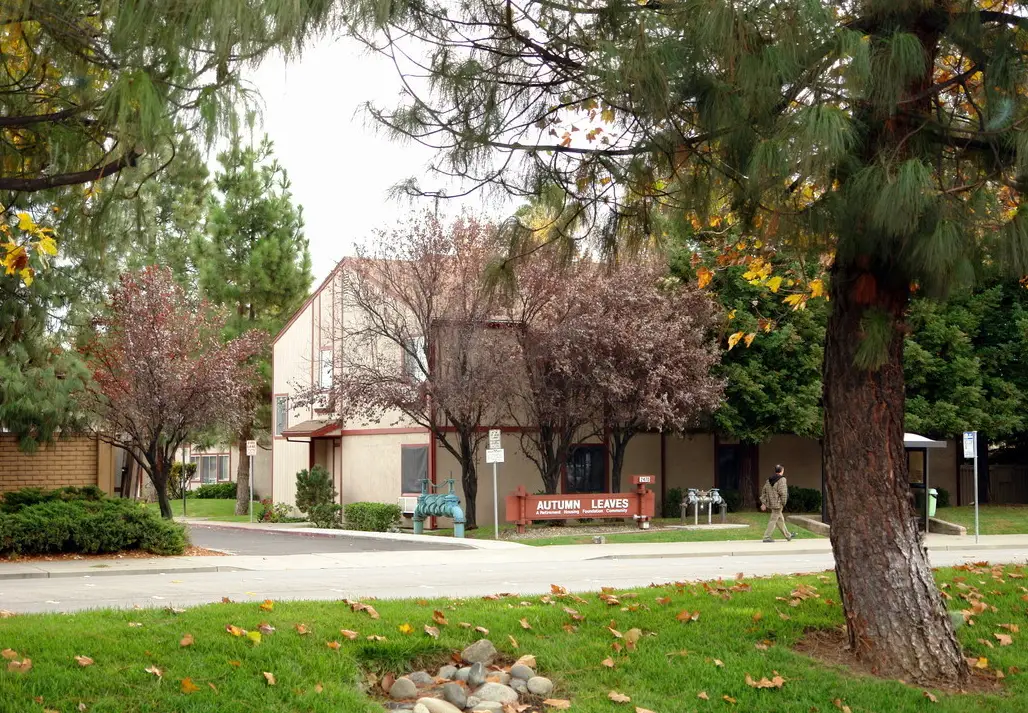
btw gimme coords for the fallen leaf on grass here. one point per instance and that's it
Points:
(213, 687)
(558, 703)
(719, 663)
(930, 697)
(269, 677)
(155, 671)
(524, 624)
(986, 642)
(351, 635)
(757, 616)
(1012, 628)
(439, 618)
(513, 642)
(9, 654)
(371, 611)
(334, 645)
(135, 624)
(4, 614)
(482, 630)
(783, 616)
(318, 688)
(702, 695)
(84, 661)
(23, 666)
(266, 628)
(81, 707)
(608, 662)
(186, 640)
(1003, 639)
(663, 601)
(686, 616)
(267, 605)
(255, 637)
(842, 706)
(981, 662)
(301, 629)
(764, 682)
(642, 710)
(465, 625)
(729, 700)
(234, 630)
(405, 628)
(188, 686)
(618, 697)
(376, 637)
(432, 631)
(632, 637)
(527, 660)
(235, 664)
(759, 646)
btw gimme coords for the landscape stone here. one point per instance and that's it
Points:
(436, 705)
(403, 688)
(520, 685)
(499, 677)
(540, 686)
(520, 670)
(482, 651)
(473, 701)
(418, 708)
(497, 692)
(421, 678)
(487, 707)
(448, 672)
(477, 675)
(462, 674)
(455, 694)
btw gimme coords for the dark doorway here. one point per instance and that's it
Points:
(587, 470)
(735, 470)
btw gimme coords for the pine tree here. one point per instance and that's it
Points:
(254, 262)
(887, 133)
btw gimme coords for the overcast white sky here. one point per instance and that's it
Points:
(340, 165)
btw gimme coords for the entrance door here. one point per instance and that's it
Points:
(736, 467)
(587, 470)
(729, 466)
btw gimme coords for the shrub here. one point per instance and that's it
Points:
(278, 512)
(26, 497)
(372, 517)
(216, 491)
(315, 497)
(672, 506)
(88, 526)
(181, 473)
(803, 500)
(942, 498)
(732, 498)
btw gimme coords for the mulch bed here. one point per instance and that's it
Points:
(128, 554)
(832, 647)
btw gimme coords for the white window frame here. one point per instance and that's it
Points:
(327, 374)
(414, 366)
(281, 414)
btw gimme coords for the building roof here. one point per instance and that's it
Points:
(912, 440)
(313, 428)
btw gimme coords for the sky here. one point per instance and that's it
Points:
(340, 165)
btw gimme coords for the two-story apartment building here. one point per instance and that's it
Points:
(383, 461)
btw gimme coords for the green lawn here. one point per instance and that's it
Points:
(993, 519)
(214, 509)
(755, 521)
(748, 632)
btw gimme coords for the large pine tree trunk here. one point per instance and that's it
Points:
(895, 615)
(243, 496)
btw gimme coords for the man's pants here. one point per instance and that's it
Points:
(777, 518)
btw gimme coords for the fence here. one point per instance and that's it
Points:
(1008, 484)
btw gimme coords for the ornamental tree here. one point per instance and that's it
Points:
(889, 134)
(422, 343)
(161, 373)
(648, 350)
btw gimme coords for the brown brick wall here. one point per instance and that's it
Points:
(69, 461)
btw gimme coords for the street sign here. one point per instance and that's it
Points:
(970, 444)
(494, 455)
(251, 448)
(494, 441)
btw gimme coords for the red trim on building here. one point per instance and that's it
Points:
(382, 431)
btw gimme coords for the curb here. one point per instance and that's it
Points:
(757, 552)
(42, 574)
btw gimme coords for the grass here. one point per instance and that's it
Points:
(992, 519)
(755, 522)
(673, 663)
(221, 509)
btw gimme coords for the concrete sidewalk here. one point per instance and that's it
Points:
(470, 559)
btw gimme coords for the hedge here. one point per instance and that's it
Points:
(371, 517)
(87, 527)
(216, 491)
(803, 500)
(19, 499)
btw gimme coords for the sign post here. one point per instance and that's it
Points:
(494, 455)
(251, 451)
(971, 451)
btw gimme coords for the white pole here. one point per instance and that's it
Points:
(496, 506)
(976, 488)
(250, 504)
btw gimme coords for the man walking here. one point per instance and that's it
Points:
(773, 497)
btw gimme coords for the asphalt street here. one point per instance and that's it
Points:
(370, 576)
(257, 542)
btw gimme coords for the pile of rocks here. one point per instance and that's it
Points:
(481, 686)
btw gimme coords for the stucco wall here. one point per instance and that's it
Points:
(371, 465)
(801, 458)
(690, 461)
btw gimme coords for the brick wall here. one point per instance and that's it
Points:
(70, 461)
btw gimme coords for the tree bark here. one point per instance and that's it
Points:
(243, 496)
(749, 478)
(618, 446)
(469, 481)
(895, 616)
(159, 478)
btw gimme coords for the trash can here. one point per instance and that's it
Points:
(933, 497)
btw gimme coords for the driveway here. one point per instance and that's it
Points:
(261, 542)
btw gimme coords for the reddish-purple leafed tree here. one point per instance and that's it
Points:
(650, 352)
(161, 373)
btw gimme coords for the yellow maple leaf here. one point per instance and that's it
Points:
(48, 245)
(25, 222)
(27, 275)
(749, 338)
(774, 283)
(188, 686)
(406, 629)
(797, 302)
(817, 288)
(703, 277)
(734, 339)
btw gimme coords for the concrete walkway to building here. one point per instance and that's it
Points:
(184, 581)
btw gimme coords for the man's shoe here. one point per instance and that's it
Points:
(788, 538)
(768, 539)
